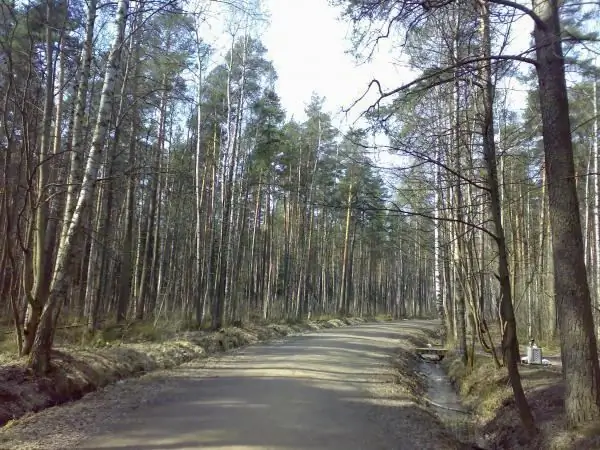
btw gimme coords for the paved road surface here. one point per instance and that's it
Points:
(332, 389)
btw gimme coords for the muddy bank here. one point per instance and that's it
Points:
(440, 404)
(487, 393)
(78, 371)
(444, 401)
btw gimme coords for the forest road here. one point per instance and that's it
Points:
(331, 389)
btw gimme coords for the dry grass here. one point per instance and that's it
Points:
(551, 346)
(82, 364)
(487, 391)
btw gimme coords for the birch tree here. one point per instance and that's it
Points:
(40, 354)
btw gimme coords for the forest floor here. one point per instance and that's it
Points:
(487, 392)
(350, 388)
(82, 364)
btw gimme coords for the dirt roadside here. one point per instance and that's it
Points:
(332, 389)
(80, 371)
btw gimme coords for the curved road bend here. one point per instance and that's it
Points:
(332, 389)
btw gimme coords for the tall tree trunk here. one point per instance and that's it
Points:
(41, 262)
(510, 345)
(345, 257)
(199, 185)
(78, 134)
(126, 278)
(437, 243)
(596, 208)
(39, 360)
(579, 351)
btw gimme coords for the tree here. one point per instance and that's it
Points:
(143, 144)
(579, 352)
(39, 360)
(573, 302)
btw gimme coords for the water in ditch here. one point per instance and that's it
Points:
(445, 402)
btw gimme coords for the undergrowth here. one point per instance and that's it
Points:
(70, 333)
(487, 392)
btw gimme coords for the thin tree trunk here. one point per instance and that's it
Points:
(510, 345)
(41, 262)
(596, 208)
(345, 259)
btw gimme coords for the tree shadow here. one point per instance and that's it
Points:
(322, 391)
(276, 413)
(547, 405)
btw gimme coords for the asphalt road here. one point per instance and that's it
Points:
(332, 389)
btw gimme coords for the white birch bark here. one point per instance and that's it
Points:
(78, 120)
(437, 243)
(586, 218)
(40, 355)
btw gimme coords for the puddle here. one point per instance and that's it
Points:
(445, 402)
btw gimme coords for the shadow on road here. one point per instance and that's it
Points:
(327, 390)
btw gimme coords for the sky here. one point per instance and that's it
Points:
(308, 45)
